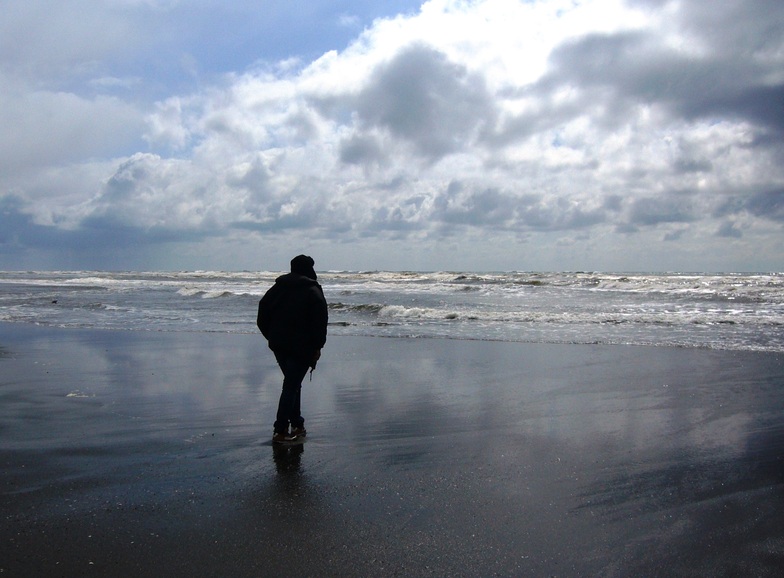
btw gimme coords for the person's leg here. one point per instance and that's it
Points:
(297, 421)
(294, 371)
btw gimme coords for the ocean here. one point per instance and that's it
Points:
(716, 311)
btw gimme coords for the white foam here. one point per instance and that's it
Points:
(728, 311)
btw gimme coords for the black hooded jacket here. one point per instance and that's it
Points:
(293, 316)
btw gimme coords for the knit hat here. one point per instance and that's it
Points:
(303, 265)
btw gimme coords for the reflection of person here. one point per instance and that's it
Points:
(293, 317)
(288, 460)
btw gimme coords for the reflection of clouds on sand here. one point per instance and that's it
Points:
(403, 412)
(716, 512)
(172, 380)
(423, 456)
(502, 404)
(691, 478)
(725, 435)
(583, 400)
(706, 489)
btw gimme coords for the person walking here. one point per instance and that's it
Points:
(293, 318)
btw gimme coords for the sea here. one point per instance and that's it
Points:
(715, 311)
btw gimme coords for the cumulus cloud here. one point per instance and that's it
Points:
(422, 98)
(542, 121)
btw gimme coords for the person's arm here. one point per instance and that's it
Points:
(319, 319)
(260, 318)
(316, 357)
(264, 315)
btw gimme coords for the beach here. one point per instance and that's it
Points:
(145, 453)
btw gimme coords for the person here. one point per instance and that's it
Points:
(293, 318)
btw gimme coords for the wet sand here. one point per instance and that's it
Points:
(148, 454)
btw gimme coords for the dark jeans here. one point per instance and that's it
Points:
(294, 370)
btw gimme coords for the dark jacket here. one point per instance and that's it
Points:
(293, 316)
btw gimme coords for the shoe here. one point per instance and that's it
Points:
(283, 438)
(299, 432)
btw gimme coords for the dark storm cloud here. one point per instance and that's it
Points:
(768, 205)
(424, 99)
(17, 229)
(273, 216)
(608, 75)
(762, 106)
(255, 178)
(97, 238)
(459, 205)
(491, 207)
(362, 150)
(729, 230)
(685, 165)
(634, 68)
(724, 71)
(558, 215)
(729, 207)
(670, 208)
(110, 232)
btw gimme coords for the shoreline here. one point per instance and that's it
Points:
(141, 453)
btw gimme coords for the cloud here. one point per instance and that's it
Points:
(422, 98)
(649, 211)
(758, 105)
(728, 229)
(63, 41)
(767, 204)
(552, 122)
(44, 128)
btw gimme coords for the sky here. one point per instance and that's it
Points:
(487, 135)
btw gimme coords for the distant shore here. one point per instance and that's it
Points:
(132, 453)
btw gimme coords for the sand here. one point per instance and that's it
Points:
(149, 454)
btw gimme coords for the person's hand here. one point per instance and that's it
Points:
(316, 357)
